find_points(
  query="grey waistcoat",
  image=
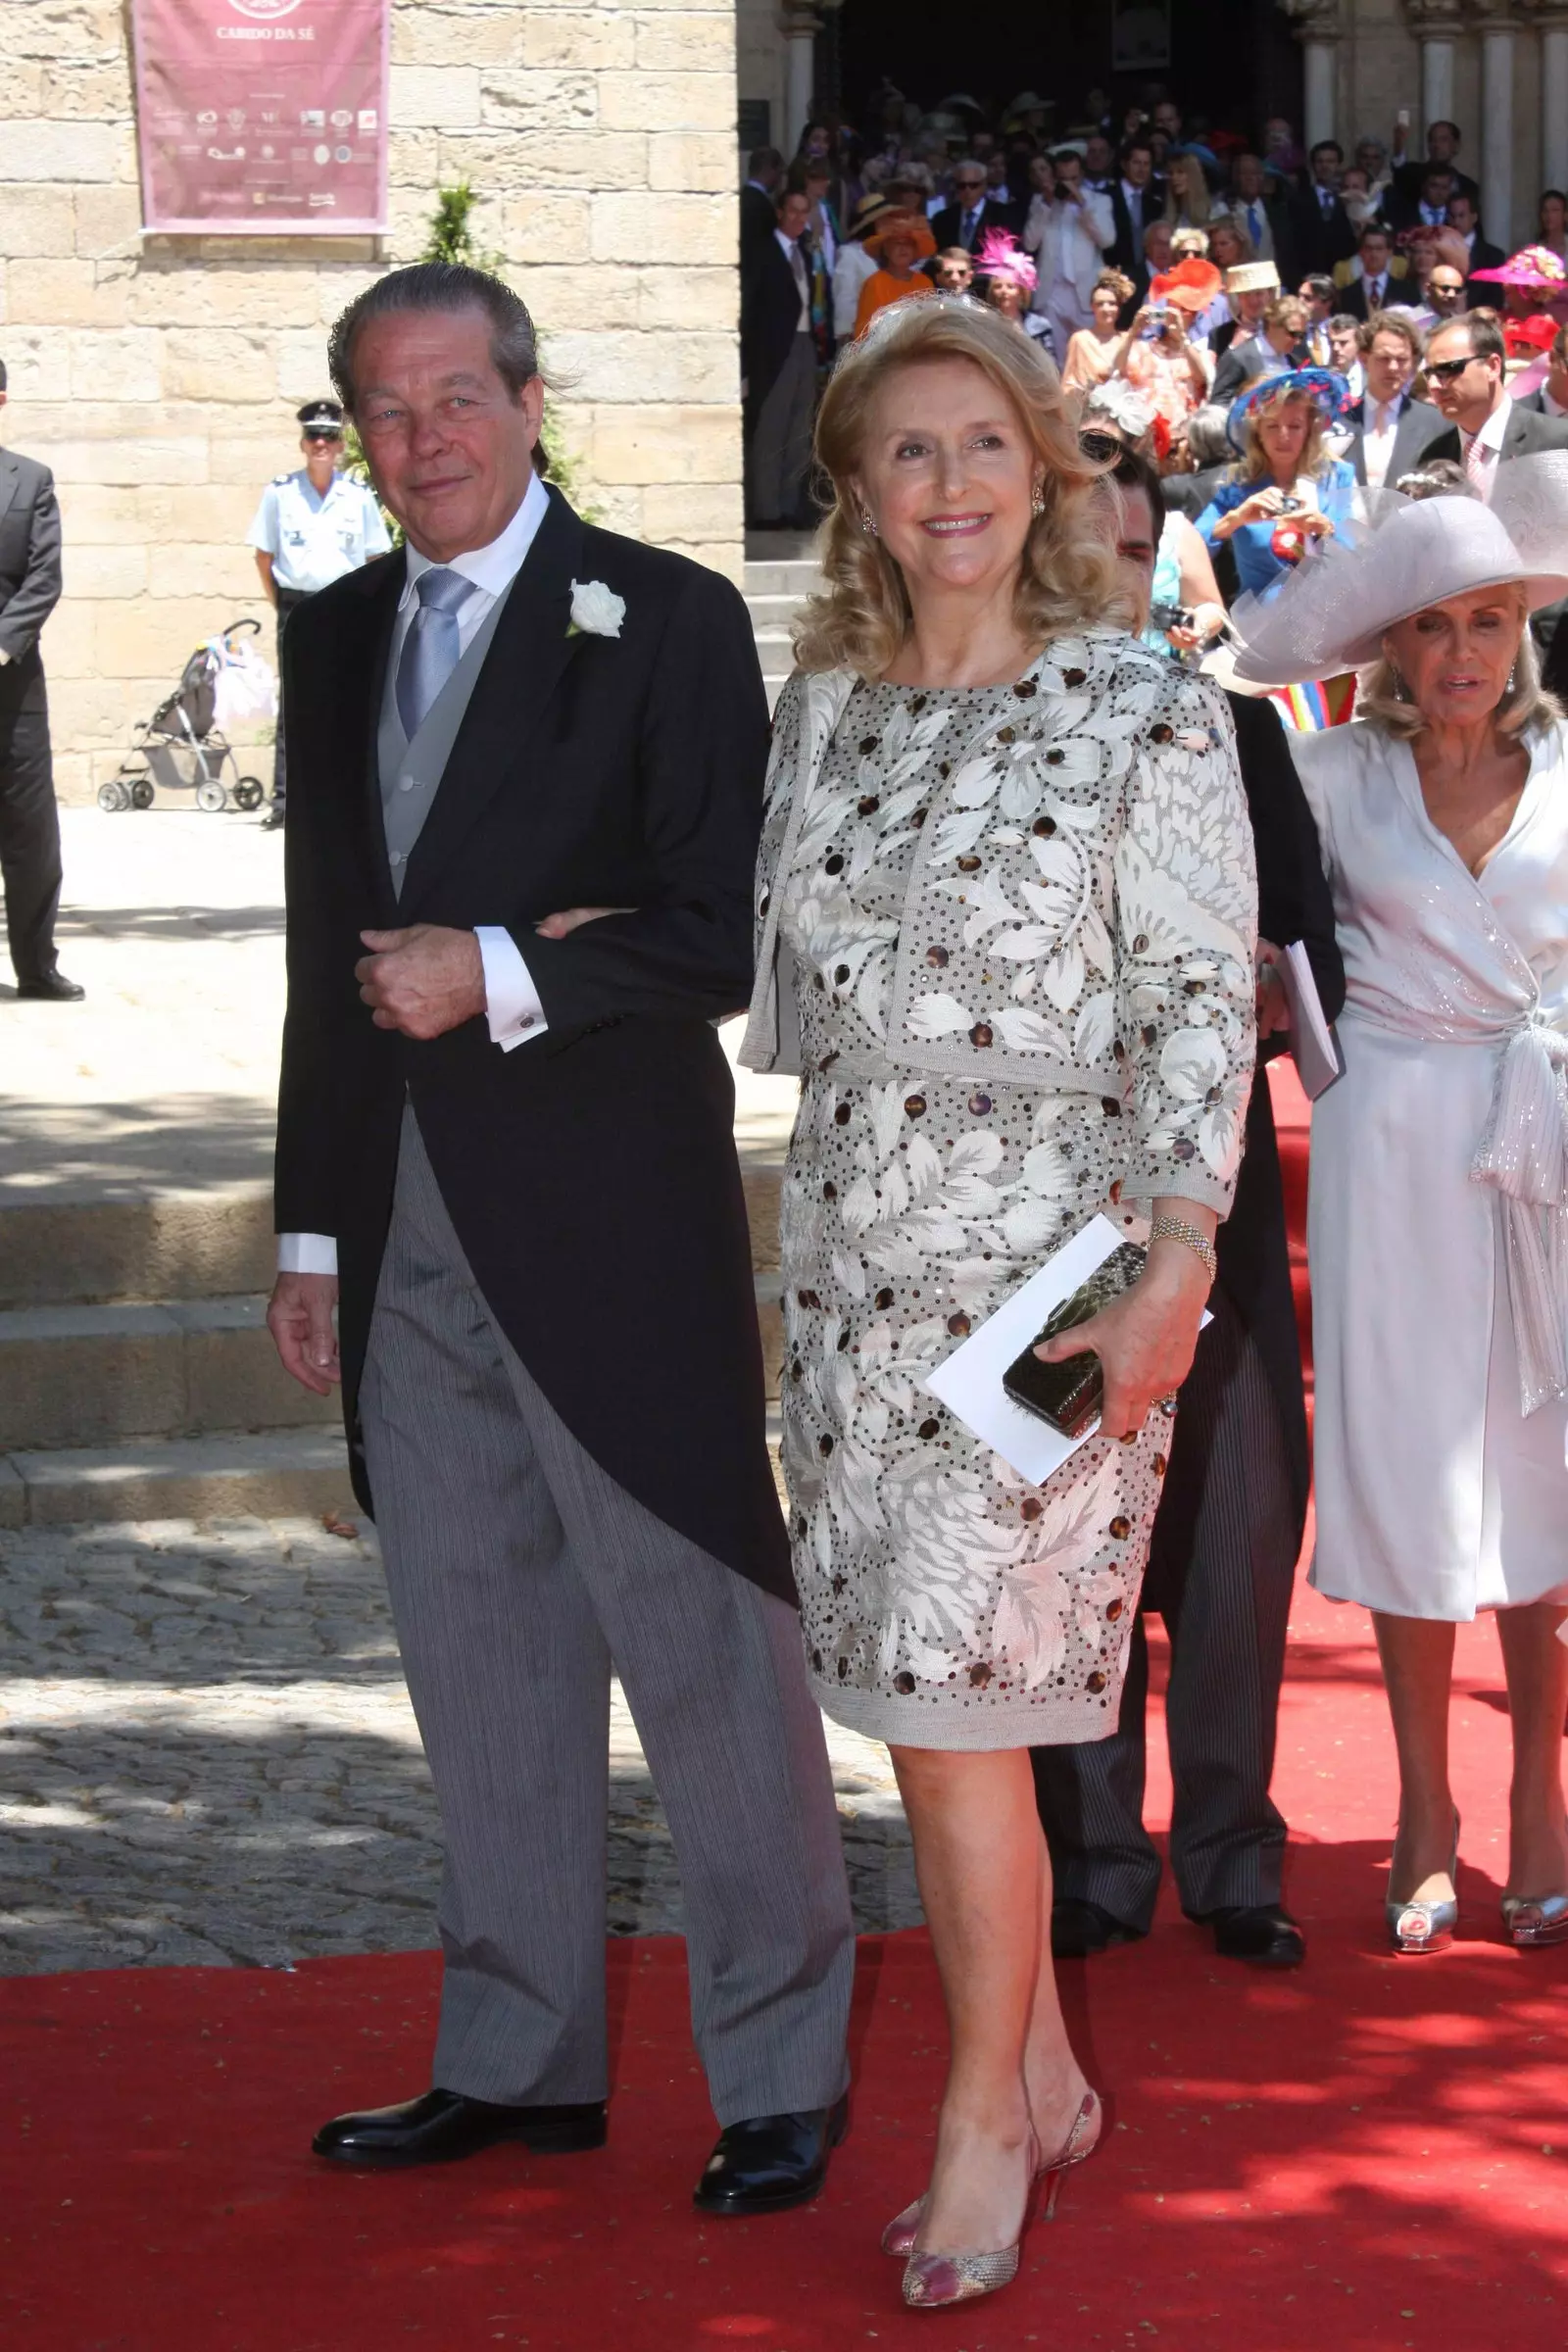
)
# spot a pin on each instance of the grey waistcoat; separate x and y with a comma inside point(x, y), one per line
point(410, 773)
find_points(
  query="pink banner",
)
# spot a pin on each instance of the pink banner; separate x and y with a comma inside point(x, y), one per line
point(261, 115)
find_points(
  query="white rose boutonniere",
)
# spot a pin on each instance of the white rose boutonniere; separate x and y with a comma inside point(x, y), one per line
point(596, 610)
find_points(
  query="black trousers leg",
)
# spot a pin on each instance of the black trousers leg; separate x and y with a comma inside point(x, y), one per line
point(29, 830)
point(1220, 1571)
point(287, 599)
point(1091, 1800)
point(1224, 1590)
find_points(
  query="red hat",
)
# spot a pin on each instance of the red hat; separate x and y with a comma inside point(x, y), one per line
point(1538, 332)
point(1191, 286)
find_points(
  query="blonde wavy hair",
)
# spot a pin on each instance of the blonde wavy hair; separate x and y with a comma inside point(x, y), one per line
point(1383, 699)
point(1253, 462)
point(1067, 576)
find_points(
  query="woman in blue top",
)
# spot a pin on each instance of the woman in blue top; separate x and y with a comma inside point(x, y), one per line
point(1277, 427)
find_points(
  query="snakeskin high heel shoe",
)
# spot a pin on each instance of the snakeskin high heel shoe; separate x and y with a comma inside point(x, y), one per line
point(1083, 2138)
point(1426, 1926)
point(933, 2281)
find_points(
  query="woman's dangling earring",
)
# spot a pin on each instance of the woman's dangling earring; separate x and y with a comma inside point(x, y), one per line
point(1402, 692)
point(867, 522)
point(1514, 678)
point(1039, 500)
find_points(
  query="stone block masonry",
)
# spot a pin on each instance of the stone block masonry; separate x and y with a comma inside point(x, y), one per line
point(159, 375)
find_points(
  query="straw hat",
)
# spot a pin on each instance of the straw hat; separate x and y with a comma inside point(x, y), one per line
point(867, 213)
point(1252, 277)
point(1408, 554)
point(902, 225)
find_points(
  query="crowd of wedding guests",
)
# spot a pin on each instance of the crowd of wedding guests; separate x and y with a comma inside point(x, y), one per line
point(1268, 325)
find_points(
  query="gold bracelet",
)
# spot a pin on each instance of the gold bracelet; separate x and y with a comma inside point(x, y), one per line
point(1176, 1229)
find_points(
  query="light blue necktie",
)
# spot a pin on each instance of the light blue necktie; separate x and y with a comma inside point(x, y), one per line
point(432, 648)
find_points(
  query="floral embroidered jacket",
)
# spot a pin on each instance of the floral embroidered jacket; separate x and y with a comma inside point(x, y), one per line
point(1081, 909)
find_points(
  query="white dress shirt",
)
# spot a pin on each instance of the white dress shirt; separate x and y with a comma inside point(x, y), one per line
point(512, 1001)
point(1377, 437)
point(796, 259)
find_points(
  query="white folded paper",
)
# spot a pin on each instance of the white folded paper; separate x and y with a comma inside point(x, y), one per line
point(969, 1382)
point(1314, 1047)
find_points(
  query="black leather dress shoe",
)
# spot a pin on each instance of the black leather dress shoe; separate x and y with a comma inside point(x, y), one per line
point(1079, 1929)
point(771, 2161)
point(1264, 1934)
point(52, 987)
point(272, 821)
point(442, 2124)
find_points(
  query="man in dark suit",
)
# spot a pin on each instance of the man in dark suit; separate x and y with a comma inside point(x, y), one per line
point(974, 214)
point(1229, 1527)
point(522, 818)
point(1483, 429)
point(1323, 232)
point(1137, 199)
point(1267, 216)
point(1465, 223)
point(1376, 277)
point(1428, 208)
point(29, 822)
point(1443, 148)
point(1391, 430)
point(778, 370)
point(765, 174)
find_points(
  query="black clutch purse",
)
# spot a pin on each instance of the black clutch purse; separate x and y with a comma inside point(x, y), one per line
point(1068, 1394)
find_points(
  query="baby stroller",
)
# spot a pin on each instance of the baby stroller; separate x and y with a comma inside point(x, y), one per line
point(182, 747)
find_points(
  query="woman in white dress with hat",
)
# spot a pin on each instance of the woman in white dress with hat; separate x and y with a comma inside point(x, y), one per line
point(1439, 1215)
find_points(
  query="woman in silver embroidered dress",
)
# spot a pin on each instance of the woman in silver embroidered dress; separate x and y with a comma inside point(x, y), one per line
point(1006, 932)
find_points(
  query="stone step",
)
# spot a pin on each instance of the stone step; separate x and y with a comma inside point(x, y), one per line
point(774, 613)
point(269, 1474)
point(166, 1244)
point(789, 576)
point(91, 1375)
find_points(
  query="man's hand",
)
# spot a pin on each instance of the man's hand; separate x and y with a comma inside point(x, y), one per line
point(423, 981)
point(557, 926)
point(299, 1316)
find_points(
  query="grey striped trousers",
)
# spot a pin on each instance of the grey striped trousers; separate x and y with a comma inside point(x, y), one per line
point(518, 1571)
point(1221, 1568)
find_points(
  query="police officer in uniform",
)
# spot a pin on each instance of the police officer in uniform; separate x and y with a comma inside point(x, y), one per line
point(310, 528)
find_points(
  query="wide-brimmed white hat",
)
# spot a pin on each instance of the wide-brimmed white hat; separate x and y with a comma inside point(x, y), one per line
point(1401, 555)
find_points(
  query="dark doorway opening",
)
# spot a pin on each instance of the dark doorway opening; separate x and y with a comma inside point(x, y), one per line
point(1232, 61)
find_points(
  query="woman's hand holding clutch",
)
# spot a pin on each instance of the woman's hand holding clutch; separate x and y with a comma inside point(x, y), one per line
point(1146, 1338)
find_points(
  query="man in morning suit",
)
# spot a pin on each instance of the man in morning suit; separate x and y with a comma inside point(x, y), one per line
point(1222, 1560)
point(505, 1153)
point(974, 212)
point(29, 822)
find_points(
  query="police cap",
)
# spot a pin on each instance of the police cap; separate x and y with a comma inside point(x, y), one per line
point(322, 420)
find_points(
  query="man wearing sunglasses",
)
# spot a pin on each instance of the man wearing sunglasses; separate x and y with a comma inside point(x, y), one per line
point(967, 221)
point(1466, 378)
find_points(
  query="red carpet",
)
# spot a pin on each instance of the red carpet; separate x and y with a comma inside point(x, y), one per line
point(1372, 2154)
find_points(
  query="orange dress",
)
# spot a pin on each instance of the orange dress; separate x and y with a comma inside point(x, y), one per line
point(882, 288)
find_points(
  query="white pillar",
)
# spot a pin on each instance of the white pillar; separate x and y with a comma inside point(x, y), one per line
point(1496, 133)
point(1318, 90)
point(801, 26)
point(1554, 103)
point(1436, 84)
point(1316, 25)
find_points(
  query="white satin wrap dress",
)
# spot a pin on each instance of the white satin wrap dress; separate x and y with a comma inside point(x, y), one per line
point(1436, 1225)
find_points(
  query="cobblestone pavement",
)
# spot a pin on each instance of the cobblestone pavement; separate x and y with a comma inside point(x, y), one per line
point(207, 1754)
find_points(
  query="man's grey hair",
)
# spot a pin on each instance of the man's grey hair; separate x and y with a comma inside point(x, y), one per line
point(441, 286)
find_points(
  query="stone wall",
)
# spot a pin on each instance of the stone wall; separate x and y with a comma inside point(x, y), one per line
point(159, 375)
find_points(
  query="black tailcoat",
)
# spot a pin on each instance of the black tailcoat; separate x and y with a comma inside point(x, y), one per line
point(590, 1173)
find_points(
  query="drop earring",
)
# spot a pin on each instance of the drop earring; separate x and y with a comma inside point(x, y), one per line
point(1038, 501)
point(1402, 692)
point(1514, 678)
point(867, 522)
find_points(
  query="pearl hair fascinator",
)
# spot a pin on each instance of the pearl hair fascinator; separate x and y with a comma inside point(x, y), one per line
point(1399, 555)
